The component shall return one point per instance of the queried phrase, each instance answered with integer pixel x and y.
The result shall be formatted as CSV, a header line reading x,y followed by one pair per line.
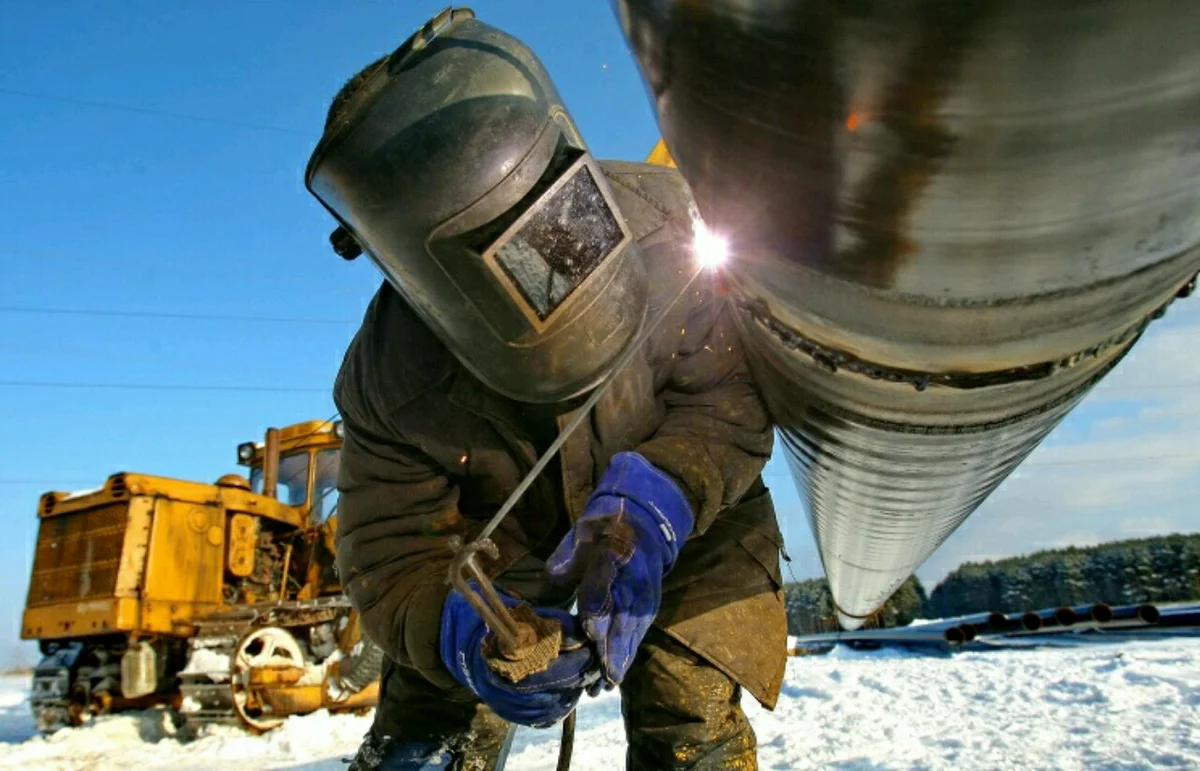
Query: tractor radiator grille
x,y
78,555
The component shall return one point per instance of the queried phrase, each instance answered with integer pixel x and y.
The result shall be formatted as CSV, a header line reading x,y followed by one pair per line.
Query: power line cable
x,y
1144,387
154,112
266,274
160,387
295,389
1081,462
1077,462
110,313
71,482
215,317
47,482
1128,459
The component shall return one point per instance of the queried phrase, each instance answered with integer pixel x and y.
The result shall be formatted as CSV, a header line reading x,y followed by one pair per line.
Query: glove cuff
x,y
632,477
461,639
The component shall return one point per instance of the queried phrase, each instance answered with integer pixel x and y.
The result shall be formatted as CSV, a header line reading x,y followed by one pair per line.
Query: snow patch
x,y
844,652
13,698
206,661
925,621
1132,705
314,674
82,493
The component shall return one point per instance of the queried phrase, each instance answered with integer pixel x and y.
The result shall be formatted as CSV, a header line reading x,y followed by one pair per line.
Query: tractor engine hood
x,y
948,221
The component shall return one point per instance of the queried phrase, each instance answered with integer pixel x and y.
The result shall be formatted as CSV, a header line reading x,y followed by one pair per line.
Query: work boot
x,y
379,752
419,727
383,753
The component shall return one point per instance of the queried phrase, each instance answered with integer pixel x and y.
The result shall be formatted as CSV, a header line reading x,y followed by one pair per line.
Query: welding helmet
x,y
456,169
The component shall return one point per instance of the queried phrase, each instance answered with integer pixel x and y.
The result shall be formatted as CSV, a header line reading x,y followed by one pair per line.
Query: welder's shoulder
x,y
393,359
650,196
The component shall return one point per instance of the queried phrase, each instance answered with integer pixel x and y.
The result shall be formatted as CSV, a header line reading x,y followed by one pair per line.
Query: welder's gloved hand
x,y
540,699
627,539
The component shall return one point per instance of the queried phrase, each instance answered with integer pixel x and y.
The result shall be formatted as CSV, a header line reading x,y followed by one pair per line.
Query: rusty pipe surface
x,y
949,220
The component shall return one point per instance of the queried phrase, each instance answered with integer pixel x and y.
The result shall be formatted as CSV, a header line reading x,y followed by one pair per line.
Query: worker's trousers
x,y
680,713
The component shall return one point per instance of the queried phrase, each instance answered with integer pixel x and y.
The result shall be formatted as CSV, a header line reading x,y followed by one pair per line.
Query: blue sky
x,y
151,160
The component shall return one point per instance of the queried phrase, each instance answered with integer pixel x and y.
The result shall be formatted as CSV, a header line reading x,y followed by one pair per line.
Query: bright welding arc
x,y
710,248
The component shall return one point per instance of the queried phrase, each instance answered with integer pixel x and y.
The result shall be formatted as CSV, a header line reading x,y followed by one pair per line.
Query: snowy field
x,y
1136,705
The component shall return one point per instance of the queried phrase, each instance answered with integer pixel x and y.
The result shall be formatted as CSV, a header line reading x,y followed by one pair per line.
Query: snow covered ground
x,y
1136,705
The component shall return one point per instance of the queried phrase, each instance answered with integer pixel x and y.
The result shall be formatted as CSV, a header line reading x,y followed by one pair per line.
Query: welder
x,y
517,270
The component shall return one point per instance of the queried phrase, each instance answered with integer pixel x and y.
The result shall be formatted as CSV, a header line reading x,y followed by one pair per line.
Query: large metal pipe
x,y
1187,615
1088,618
949,221
933,635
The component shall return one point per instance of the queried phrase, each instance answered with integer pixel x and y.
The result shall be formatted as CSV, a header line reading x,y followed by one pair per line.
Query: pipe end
x,y
850,623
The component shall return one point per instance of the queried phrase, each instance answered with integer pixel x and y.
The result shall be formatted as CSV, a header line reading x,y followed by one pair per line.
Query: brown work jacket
x,y
431,453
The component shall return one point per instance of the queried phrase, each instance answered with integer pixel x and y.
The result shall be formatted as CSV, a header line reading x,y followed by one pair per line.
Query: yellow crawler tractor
x,y
221,600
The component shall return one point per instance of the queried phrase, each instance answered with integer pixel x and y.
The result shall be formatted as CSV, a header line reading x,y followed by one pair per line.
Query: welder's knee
x,y
683,713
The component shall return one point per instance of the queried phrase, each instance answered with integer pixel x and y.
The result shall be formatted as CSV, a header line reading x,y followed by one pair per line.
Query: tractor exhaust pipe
x,y
271,463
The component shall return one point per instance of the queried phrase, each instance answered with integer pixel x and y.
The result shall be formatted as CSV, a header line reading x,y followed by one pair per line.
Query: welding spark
x,y
711,249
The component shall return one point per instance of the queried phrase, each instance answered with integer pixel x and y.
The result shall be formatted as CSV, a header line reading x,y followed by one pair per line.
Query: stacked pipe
x,y
950,221
1099,616
992,629
995,626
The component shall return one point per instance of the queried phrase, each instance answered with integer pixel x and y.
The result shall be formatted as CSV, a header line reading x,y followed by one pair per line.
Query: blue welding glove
x,y
627,539
540,699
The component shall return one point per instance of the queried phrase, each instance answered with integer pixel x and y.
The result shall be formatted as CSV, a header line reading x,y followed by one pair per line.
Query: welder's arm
x,y
711,447
397,514
717,435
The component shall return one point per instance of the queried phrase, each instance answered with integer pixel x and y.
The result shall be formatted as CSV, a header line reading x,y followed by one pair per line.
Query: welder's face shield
x,y
555,278
463,178
554,247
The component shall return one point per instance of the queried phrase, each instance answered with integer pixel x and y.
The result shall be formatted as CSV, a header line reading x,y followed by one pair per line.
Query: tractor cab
x,y
299,465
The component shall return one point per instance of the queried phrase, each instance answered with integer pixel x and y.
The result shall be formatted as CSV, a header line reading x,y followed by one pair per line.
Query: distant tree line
x,y
810,607
1162,569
